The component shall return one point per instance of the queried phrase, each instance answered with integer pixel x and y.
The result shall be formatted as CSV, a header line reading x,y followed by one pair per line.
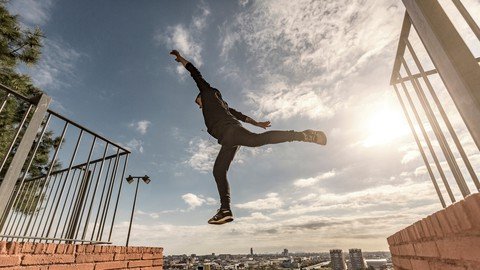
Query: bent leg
x,y
220,168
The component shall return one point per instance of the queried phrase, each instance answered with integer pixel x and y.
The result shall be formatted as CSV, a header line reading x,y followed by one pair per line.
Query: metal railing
x,y
418,96
75,197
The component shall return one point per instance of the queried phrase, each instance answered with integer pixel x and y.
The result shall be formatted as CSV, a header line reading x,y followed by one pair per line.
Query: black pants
x,y
233,138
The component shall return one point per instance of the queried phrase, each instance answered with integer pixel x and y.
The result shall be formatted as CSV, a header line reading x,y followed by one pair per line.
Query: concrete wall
x,y
447,239
42,256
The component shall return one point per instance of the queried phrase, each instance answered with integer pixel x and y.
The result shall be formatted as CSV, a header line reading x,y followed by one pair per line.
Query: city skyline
x,y
273,61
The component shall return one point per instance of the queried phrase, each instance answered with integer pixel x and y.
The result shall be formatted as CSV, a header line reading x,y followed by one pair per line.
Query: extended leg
x,y
220,168
241,136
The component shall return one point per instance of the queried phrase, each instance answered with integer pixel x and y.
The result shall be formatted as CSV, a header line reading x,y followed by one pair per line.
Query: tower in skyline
x,y
337,259
356,259
251,251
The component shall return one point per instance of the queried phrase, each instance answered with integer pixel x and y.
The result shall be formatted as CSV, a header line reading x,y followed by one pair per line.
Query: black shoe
x,y
314,136
221,217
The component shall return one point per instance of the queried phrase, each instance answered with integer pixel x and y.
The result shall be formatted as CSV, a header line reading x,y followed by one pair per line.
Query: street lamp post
x,y
130,178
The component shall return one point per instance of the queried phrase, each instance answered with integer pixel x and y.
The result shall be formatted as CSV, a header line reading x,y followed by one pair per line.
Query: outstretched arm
x,y
240,116
196,75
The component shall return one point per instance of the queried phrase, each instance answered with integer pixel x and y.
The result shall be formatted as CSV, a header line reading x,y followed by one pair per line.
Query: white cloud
x,y
141,126
314,180
195,201
271,201
56,68
186,39
31,12
302,51
203,154
135,145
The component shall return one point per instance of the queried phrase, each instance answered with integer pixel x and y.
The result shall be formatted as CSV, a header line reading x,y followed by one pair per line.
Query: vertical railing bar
x,y
19,129
30,162
468,18
76,206
84,203
74,196
420,147
95,191
51,207
445,117
12,216
439,134
4,102
86,175
69,187
43,190
30,199
118,197
429,144
109,196
101,198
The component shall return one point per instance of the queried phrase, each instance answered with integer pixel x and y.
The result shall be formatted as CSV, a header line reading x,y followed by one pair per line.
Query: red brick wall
x,y
42,256
447,239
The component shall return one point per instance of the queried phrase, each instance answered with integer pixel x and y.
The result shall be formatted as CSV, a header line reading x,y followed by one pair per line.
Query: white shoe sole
x,y
221,221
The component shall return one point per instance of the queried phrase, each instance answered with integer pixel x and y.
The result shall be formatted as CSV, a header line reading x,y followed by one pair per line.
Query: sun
x,y
384,124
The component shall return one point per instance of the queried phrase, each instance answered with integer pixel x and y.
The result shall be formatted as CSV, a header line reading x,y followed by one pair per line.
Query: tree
x,y
20,47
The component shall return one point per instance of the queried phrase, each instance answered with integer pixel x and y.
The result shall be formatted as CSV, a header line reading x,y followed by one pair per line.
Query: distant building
x,y
251,251
337,259
285,252
356,259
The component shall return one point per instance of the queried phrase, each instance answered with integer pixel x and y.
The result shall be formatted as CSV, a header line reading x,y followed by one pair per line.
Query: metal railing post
x,y
15,169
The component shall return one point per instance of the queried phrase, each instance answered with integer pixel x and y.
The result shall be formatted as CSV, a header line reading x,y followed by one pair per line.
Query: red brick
x,y
406,250
425,228
140,263
431,230
39,248
157,256
119,257
97,249
452,219
13,248
133,256
70,249
412,235
472,207
27,247
437,265
89,248
390,241
36,267
87,258
85,266
51,247
418,227
426,249
460,213
118,249
10,260
110,265
393,250
61,248
420,265
158,262
436,225
147,256
47,259
157,268
3,247
462,248
405,263
442,219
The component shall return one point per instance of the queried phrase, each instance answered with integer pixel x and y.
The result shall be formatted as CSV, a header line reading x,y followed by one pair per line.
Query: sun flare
x,y
385,124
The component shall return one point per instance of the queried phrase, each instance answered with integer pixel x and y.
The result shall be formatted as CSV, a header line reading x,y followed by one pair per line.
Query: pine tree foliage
x,y
18,47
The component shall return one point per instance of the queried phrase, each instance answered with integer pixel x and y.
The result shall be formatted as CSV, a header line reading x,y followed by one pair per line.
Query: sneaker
x,y
314,136
221,217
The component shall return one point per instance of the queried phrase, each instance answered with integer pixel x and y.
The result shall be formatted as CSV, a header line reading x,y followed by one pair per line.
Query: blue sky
x,y
300,64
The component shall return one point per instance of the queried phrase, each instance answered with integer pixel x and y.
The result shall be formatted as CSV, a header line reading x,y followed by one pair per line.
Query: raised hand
x,y
177,55
264,125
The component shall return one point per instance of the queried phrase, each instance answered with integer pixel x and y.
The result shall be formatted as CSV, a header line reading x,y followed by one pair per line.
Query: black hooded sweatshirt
x,y
216,113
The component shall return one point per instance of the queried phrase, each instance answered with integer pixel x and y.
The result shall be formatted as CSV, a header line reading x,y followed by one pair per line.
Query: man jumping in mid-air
x,y
222,123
